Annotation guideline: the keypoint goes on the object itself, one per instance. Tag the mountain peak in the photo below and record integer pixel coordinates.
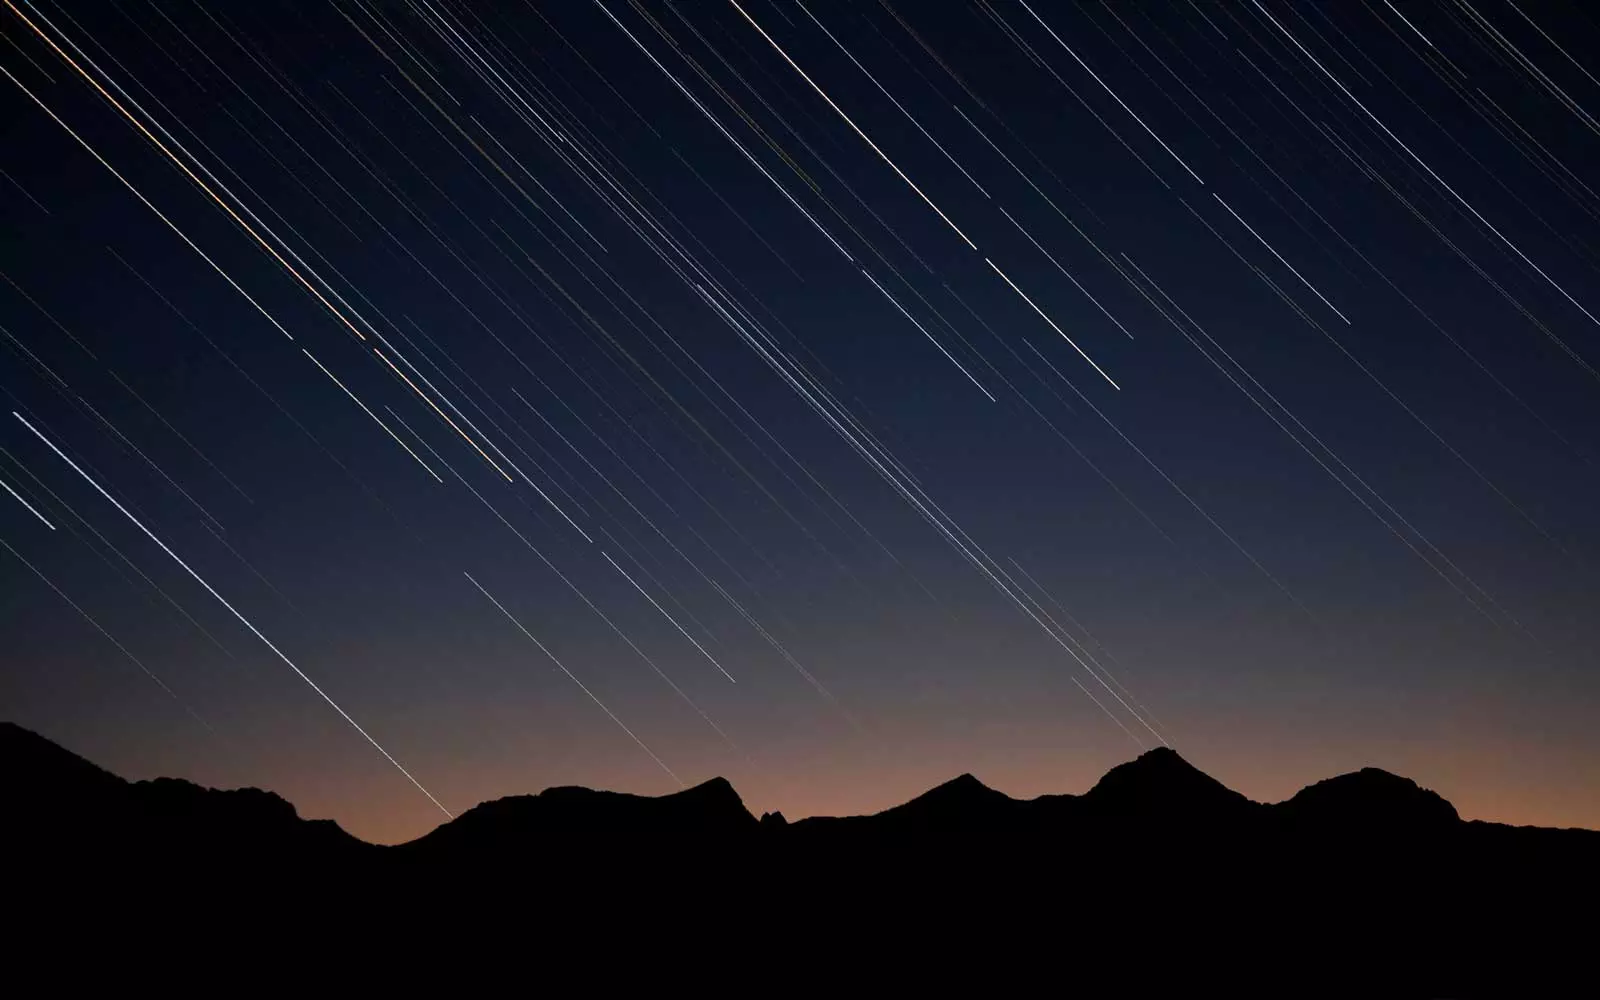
(963, 801)
(965, 782)
(1371, 797)
(718, 786)
(571, 812)
(1162, 753)
(1160, 764)
(1162, 781)
(962, 788)
(714, 796)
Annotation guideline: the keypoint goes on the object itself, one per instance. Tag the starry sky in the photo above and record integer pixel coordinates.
(413, 403)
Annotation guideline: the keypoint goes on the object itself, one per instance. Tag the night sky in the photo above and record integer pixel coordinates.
(833, 397)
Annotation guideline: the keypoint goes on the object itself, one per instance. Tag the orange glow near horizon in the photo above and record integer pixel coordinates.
(1495, 797)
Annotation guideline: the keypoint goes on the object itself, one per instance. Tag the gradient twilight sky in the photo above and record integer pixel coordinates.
(573, 395)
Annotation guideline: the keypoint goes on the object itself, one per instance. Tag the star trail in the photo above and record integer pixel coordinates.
(411, 403)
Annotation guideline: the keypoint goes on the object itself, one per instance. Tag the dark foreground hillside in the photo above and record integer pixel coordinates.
(1158, 879)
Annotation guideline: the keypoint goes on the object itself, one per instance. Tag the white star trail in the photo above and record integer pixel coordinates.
(1429, 170)
(900, 107)
(1052, 322)
(851, 122)
(647, 291)
(95, 624)
(365, 409)
(1106, 87)
(31, 508)
(1278, 255)
(657, 605)
(235, 612)
(573, 677)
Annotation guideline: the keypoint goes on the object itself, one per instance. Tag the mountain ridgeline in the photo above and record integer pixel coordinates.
(1366, 865)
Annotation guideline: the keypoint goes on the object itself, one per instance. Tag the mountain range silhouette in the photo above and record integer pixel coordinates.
(1157, 877)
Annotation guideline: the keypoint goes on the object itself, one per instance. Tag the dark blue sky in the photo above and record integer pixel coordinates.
(410, 327)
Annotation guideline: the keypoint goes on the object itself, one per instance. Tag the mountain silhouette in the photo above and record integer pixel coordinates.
(1370, 800)
(962, 803)
(64, 803)
(1159, 877)
(1162, 785)
(577, 818)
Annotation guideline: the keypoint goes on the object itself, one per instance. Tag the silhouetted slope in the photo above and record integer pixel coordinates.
(235, 822)
(711, 812)
(961, 805)
(1157, 878)
(62, 805)
(1161, 786)
(955, 800)
(1369, 800)
(37, 773)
